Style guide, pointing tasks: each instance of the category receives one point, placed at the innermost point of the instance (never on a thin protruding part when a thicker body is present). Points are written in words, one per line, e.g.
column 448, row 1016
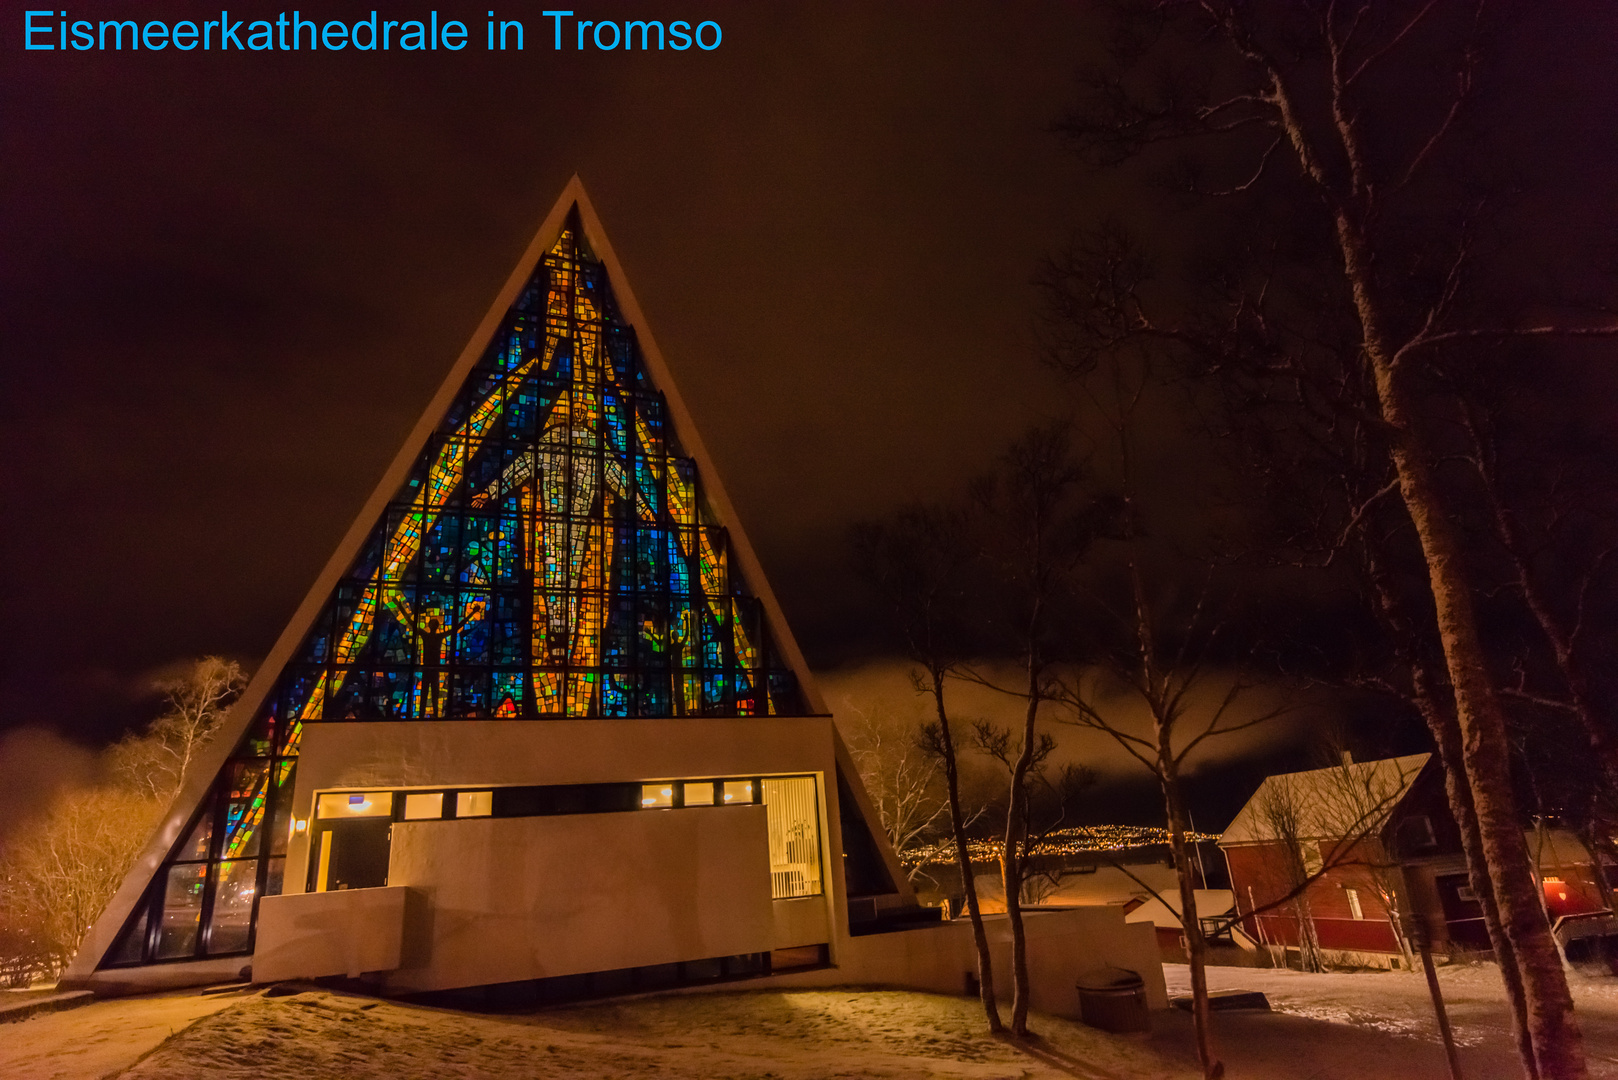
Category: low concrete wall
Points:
column 154, row 978
column 510, row 899
column 66, row 999
column 1061, row 944
column 312, row 935
column 800, row 922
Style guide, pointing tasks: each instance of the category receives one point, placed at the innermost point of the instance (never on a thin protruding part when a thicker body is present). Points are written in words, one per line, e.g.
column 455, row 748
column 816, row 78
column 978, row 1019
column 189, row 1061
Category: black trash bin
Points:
column 1113, row 999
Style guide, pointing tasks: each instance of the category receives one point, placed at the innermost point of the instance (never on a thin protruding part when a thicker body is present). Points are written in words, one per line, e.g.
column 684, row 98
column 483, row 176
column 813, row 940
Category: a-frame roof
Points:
column 573, row 200
column 1354, row 798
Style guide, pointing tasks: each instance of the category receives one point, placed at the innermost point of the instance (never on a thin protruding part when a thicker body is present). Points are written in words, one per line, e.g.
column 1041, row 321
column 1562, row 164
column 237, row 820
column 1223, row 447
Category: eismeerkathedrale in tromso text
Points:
column 54, row 30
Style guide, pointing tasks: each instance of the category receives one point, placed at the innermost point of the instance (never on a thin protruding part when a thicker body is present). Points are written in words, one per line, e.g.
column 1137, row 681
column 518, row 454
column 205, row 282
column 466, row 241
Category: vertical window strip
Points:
column 793, row 817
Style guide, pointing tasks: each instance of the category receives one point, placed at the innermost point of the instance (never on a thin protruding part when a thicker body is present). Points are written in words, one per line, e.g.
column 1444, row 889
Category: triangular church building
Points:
column 539, row 729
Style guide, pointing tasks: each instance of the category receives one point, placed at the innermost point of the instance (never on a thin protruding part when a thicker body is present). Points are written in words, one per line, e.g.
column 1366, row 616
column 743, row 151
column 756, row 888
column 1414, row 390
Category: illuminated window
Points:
column 738, row 791
column 424, row 805
column 352, row 804
column 698, row 792
column 1354, row 909
column 474, row 804
column 655, row 795
column 793, row 816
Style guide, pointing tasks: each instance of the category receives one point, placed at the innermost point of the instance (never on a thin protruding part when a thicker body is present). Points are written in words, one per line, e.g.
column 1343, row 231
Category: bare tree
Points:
column 1281, row 811
column 1352, row 792
column 904, row 778
column 920, row 564
column 1414, row 676
column 1567, row 626
column 158, row 760
column 1050, row 795
column 1165, row 650
column 61, row 871
column 1040, row 519
column 1333, row 817
column 1317, row 93
column 1187, row 707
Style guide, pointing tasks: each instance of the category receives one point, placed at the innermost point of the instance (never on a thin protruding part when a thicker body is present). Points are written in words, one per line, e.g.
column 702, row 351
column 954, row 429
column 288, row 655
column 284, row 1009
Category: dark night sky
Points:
column 228, row 285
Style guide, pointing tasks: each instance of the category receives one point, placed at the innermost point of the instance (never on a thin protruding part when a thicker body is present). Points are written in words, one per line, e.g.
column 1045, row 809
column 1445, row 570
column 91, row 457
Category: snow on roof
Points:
column 1165, row 913
column 1352, row 798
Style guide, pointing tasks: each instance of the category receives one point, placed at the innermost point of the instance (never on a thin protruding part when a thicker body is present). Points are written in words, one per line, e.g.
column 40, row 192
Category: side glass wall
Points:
column 203, row 901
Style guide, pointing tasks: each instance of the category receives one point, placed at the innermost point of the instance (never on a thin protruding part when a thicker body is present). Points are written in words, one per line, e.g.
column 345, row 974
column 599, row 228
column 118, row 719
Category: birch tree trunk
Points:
column 1427, row 692
column 963, row 857
column 1558, row 1048
column 1011, row 858
column 1196, row 948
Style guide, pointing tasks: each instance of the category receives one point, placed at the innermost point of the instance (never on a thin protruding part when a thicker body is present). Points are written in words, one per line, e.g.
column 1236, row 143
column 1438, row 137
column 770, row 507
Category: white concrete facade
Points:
column 496, row 900
column 1062, row 944
column 332, row 933
column 511, row 899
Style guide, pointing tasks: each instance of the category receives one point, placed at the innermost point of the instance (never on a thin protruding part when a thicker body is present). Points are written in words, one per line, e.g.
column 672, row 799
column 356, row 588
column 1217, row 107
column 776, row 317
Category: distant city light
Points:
column 1078, row 840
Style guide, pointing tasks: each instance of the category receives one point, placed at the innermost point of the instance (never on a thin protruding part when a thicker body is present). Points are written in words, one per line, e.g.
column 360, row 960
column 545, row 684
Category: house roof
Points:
column 1341, row 800
column 1164, row 913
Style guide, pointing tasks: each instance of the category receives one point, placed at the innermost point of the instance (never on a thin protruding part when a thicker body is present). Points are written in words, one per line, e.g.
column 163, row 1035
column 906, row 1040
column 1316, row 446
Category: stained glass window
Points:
column 551, row 554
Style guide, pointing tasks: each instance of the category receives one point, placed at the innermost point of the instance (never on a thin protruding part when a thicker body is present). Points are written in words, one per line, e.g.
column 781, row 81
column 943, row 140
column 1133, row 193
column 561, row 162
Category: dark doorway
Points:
column 1463, row 914
column 350, row 855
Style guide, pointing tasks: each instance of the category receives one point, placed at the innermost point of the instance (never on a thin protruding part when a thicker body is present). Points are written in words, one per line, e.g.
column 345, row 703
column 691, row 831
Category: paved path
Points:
column 100, row 1039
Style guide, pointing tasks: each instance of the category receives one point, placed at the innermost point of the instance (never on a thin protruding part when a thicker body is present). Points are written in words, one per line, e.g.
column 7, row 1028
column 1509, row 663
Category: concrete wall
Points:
column 1061, row 945
column 799, row 922
column 530, row 898
column 312, row 935
column 154, row 978
column 489, row 753
column 603, row 750
column 523, row 898
column 1103, row 885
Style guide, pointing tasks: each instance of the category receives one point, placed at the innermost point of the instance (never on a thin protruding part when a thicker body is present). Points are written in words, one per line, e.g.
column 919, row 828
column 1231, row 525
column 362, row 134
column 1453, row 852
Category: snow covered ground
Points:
column 1380, row 1023
column 787, row 1036
column 1324, row 1027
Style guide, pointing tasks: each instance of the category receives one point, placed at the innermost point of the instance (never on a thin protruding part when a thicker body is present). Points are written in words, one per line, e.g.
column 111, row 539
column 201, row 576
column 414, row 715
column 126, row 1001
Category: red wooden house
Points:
column 1381, row 839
